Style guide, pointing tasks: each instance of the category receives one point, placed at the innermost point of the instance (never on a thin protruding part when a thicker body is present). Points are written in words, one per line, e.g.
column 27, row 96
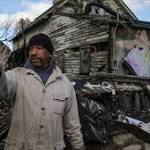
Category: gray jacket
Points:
column 42, row 113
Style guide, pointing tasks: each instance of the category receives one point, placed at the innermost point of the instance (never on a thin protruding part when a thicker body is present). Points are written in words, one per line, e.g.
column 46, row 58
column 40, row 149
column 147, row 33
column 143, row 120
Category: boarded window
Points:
column 72, row 60
column 60, row 59
column 99, row 57
column 85, row 60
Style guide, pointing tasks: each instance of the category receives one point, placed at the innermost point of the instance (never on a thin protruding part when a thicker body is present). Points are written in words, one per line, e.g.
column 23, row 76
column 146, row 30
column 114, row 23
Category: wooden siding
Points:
column 74, row 32
column 67, row 32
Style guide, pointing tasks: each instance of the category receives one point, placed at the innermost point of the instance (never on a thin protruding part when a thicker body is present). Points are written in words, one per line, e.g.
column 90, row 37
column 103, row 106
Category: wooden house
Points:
column 89, row 36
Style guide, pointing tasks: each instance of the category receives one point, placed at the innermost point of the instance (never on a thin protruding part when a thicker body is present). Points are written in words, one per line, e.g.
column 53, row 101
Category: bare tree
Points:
column 6, row 30
column 22, row 24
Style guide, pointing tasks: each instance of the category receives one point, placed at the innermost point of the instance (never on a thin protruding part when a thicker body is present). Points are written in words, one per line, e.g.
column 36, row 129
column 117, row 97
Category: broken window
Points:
column 85, row 60
column 99, row 57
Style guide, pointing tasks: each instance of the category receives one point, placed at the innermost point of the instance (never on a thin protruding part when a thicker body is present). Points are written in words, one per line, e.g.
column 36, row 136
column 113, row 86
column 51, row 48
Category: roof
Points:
column 58, row 5
column 126, row 9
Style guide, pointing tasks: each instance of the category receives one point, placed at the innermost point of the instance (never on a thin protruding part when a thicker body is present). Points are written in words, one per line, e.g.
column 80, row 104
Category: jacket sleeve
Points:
column 72, row 124
column 8, row 85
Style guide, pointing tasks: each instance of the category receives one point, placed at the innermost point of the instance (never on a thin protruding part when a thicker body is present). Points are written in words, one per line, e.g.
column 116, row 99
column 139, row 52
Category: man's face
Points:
column 39, row 56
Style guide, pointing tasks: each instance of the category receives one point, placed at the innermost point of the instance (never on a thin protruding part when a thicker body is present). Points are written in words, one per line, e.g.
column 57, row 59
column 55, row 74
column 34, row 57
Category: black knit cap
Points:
column 43, row 40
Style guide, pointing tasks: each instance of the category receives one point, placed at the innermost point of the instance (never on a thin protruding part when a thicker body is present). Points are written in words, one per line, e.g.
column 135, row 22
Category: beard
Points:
column 37, row 62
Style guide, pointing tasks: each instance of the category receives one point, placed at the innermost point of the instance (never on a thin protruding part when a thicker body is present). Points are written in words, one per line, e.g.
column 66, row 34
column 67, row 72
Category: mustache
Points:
column 36, row 58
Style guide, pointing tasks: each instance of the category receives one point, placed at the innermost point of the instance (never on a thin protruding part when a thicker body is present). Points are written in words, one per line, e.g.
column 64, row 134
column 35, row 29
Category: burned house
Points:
column 99, row 31
column 104, row 42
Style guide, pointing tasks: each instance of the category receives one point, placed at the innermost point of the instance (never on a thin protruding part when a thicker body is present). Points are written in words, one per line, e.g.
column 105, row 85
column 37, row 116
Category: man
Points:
column 44, row 102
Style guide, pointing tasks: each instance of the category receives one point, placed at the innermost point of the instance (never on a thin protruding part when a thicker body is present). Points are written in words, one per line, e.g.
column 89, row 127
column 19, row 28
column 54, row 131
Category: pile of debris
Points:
column 103, row 102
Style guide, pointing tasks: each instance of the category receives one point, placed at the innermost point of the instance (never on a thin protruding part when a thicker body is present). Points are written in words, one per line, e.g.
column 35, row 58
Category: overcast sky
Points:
column 141, row 8
column 33, row 8
column 15, row 9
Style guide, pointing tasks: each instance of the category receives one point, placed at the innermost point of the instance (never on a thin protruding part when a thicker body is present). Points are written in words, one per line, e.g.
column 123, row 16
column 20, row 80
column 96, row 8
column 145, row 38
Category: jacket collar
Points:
column 56, row 74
